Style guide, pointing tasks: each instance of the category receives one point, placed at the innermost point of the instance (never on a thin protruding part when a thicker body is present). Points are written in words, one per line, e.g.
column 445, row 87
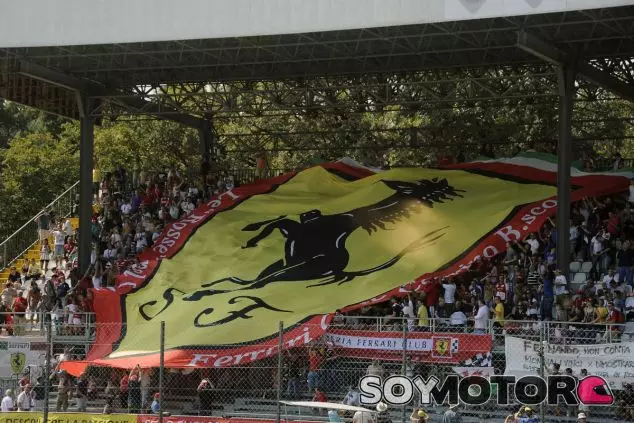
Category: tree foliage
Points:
column 35, row 168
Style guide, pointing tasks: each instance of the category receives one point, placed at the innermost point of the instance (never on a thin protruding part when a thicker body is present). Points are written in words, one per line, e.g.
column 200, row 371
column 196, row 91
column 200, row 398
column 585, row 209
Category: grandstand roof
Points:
column 112, row 47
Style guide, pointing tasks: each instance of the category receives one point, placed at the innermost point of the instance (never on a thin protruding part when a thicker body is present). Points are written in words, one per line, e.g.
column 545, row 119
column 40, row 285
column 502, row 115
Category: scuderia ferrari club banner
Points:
column 420, row 346
column 295, row 248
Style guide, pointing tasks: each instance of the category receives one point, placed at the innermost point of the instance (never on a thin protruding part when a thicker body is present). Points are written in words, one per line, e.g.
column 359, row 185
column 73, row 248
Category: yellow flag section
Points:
column 67, row 418
column 315, row 244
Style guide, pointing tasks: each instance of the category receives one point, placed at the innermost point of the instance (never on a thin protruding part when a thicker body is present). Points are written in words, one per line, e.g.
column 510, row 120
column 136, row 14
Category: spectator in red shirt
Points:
column 19, row 310
column 432, row 291
column 319, row 396
column 613, row 223
column 315, row 363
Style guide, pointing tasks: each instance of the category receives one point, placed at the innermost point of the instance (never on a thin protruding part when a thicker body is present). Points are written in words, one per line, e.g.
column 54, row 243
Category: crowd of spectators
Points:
column 129, row 213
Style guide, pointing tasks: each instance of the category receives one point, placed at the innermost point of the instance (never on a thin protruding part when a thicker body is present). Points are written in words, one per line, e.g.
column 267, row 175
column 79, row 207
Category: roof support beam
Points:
column 90, row 89
column 559, row 57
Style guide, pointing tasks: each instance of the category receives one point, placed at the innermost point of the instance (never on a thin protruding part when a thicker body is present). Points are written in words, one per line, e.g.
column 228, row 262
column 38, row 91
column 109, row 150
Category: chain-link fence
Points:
column 327, row 369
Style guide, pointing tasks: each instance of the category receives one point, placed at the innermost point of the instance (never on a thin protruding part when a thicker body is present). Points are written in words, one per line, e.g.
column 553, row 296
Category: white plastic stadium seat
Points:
column 579, row 278
column 586, row 266
column 575, row 266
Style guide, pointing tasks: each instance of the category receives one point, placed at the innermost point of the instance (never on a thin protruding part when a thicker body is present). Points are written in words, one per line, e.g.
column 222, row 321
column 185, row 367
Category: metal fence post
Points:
column 47, row 365
column 280, row 365
column 542, row 364
column 161, row 371
column 404, row 359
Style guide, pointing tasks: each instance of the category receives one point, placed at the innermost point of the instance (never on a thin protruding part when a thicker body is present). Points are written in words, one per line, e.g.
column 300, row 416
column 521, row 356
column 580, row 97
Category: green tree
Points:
column 35, row 168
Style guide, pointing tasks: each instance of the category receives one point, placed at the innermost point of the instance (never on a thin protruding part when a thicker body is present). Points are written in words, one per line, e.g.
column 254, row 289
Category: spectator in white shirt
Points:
column 68, row 228
column 353, row 397
column 375, row 369
column 611, row 276
column 25, row 399
column 7, row 402
column 534, row 244
column 561, row 284
column 363, row 417
column 141, row 242
column 126, row 208
column 458, row 318
column 410, row 313
column 481, row 319
column 115, row 237
column 450, row 295
column 629, row 306
column 110, row 253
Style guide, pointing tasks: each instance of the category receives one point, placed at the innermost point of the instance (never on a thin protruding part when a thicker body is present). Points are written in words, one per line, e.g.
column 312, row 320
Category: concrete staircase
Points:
column 32, row 253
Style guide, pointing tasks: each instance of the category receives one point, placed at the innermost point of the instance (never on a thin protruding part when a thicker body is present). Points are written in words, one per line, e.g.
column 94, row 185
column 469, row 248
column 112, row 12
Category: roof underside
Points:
column 590, row 34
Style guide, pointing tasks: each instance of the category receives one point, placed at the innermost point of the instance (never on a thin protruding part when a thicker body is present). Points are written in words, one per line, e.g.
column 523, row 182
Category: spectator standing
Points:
column 315, row 363
column 625, row 261
column 452, row 415
column 481, row 319
column 43, row 225
column 205, row 396
column 156, row 405
column 123, row 391
column 82, row 393
column 19, row 314
column 548, row 296
column 7, row 404
column 450, row 296
column 560, row 286
column 145, row 375
column 375, row 369
column 64, row 386
column 25, row 399
column 38, row 394
column 33, row 298
column 8, row 295
column 45, row 255
column 68, row 229
column 423, row 314
column 134, row 390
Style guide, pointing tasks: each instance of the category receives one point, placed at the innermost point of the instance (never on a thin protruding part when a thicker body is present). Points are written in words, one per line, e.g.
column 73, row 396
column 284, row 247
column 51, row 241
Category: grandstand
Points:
column 103, row 60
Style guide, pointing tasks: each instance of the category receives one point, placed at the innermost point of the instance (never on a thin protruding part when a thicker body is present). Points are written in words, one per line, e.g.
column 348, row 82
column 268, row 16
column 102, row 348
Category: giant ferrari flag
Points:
column 291, row 250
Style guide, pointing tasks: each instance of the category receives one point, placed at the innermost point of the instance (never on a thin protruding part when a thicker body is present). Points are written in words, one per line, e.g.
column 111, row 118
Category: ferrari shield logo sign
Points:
column 444, row 347
column 441, row 347
column 18, row 360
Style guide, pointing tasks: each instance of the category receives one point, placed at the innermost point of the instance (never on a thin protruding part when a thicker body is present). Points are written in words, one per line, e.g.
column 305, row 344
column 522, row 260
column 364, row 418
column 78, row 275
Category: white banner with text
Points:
column 613, row 362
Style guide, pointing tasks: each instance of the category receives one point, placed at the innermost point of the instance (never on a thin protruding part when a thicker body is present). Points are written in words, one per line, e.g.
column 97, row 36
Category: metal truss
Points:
column 367, row 94
column 40, row 95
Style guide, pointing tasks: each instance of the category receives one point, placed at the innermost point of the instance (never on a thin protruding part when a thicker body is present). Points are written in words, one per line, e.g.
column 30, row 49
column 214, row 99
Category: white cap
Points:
column 581, row 416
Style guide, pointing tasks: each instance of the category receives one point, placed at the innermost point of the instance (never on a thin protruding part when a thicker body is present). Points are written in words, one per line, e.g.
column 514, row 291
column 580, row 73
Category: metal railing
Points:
column 21, row 240
column 252, row 390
